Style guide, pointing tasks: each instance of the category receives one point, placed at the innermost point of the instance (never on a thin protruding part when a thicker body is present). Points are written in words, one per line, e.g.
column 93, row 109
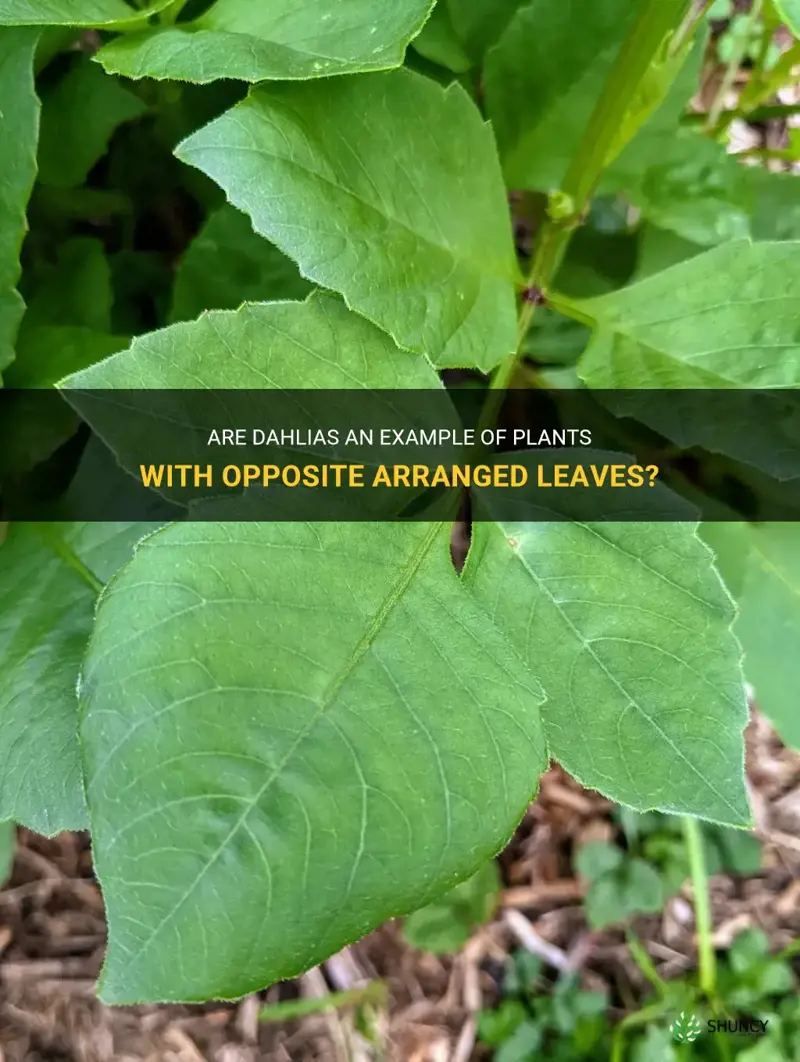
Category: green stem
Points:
column 691, row 21
column 702, row 906
column 169, row 16
column 716, row 124
column 645, row 963
column 68, row 554
column 374, row 992
column 656, row 22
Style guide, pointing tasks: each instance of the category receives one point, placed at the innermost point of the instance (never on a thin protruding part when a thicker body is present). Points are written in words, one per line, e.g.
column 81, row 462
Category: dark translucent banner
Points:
column 387, row 455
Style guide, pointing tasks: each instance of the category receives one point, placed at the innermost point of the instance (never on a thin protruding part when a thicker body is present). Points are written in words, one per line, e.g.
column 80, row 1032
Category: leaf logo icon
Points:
column 685, row 1028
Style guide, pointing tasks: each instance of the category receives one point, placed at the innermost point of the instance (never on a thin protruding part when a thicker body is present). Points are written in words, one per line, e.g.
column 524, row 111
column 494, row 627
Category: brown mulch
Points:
column 52, row 935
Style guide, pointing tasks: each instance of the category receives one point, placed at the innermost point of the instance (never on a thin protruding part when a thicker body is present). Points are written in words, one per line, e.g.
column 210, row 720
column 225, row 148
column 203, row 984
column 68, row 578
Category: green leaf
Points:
column 19, row 129
column 656, row 1045
column 690, row 185
column 497, row 1026
column 75, row 290
column 660, row 249
column 401, row 209
column 436, row 929
column 46, row 614
column 332, row 781
column 272, row 42
column 278, row 345
column 439, row 42
column 722, row 319
column 8, row 844
column 627, row 627
column 749, row 950
column 79, row 115
column 112, row 14
column 446, row 925
column 479, row 24
column 762, row 567
column 764, row 1050
column 572, row 1008
column 643, row 890
column 228, row 264
column 596, row 858
column 739, row 852
column 776, row 211
column 634, row 889
column 522, row 1045
column 46, row 354
column 542, row 81
column 68, row 321
column 428, row 762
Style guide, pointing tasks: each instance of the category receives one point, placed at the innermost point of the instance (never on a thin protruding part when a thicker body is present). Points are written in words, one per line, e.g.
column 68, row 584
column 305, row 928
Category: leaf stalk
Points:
column 702, row 906
column 63, row 550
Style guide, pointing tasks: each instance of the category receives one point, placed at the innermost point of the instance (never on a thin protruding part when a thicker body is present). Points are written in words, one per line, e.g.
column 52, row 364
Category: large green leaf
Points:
column 627, row 626
column 315, row 718
column 726, row 318
column 76, row 12
column 762, row 568
column 282, row 40
column 19, row 129
column 320, row 717
column 660, row 249
column 690, row 185
column 79, row 115
column 776, row 211
column 543, row 80
column 384, row 187
column 357, row 741
column 273, row 345
column 47, row 353
column 76, row 289
column 67, row 325
column 228, row 264
column 46, row 614
column 280, row 346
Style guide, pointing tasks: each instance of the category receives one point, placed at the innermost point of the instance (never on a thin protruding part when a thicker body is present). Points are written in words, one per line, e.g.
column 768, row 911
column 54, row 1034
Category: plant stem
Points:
column 169, row 16
column 373, row 992
column 656, row 21
column 645, row 963
column 702, row 906
column 655, row 24
column 68, row 554
column 716, row 124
